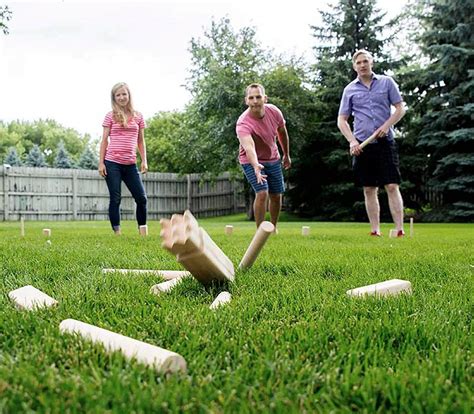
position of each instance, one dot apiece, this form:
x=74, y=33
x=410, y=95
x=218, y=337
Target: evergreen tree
x=348, y=26
x=35, y=157
x=444, y=91
x=62, y=159
x=88, y=160
x=12, y=158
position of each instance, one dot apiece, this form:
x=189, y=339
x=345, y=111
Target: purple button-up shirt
x=371, y=107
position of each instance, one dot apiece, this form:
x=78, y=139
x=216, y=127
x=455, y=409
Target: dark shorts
x=272, y=170
x=378, y=164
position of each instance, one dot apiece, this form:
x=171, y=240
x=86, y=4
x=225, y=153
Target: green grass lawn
x=290, y=340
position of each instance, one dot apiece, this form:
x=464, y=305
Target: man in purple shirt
x=369, y=99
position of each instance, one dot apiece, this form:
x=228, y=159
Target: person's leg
x=395, y=202
x=132, y=180
x=260, y=207
x=275, y=208
x=373, y=208
x=261, y=193
x=276, y=188
x=114, y=181
x=391, y=179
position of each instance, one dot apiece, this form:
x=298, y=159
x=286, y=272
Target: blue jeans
x=116, y=173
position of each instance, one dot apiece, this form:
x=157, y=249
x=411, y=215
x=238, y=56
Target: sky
x=62, y=58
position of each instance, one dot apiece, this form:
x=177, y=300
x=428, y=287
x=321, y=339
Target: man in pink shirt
x=257, y=130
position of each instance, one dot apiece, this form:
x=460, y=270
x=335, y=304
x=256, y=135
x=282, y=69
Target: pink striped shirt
x=122, y=147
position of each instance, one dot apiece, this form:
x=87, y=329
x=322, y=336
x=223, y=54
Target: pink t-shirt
x=263, y=132
x=122, y=147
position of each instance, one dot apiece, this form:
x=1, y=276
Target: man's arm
x=345, y=129
x=284, y=141
x=249, y=147
x=394, y=118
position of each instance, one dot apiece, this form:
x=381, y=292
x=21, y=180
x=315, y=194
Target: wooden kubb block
x=30, y=298
x=195, y=249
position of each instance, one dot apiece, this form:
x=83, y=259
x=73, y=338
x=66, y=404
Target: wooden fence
x=66, y=194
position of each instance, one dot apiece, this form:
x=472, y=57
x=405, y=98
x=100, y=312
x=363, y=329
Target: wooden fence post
x=6, y=184
x=190, y=193
x=74, y=194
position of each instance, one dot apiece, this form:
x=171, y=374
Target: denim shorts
x=274, y=184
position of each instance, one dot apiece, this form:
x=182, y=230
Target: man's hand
x=261, y=178
x=382, y=131
x=354, y=148
x=286, y=162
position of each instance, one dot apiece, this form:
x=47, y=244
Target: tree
x=348, y=26
x=35, y=157
x=223, y=64
x=5, y=16
x=44, y=133
x=168, y=143
x=88, y=160
x=444, y=96
x=12, y=158
x=62, y=159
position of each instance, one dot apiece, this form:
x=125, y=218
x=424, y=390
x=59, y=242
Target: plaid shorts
x=378, y=164
x=274, y=184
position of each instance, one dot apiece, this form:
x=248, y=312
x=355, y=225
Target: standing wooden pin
x=229, y=229
x=143, y=230
x=411, y=227
x=305, y=231
x=22, y=227
x=47, y=232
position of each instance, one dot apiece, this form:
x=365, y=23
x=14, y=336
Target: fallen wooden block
x=30, y=298
x=229, y=229
x=387, y=288
x=160, y=359
x=263, y=232
x=195, y=249
x=47, y=232
x=393, y=233
x=166, y=286
x=143, y=230
x=221, y=299
x=305, y=231
x=165, y=274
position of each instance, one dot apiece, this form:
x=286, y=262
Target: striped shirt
x=122, y=147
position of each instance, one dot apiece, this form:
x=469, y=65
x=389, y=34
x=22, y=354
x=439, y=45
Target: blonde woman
x=123, y=134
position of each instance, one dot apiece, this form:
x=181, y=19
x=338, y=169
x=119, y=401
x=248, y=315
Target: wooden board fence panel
x=69, y=194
